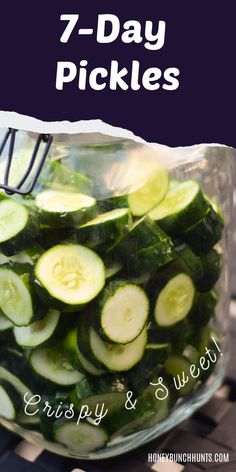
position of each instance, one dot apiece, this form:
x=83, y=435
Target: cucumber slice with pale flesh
x=179, y=368
x=174, y=301
x=5, y=323
x=53, y=365
x=18, y=228
x=61, y=208
x=37, y=332
x=105, y=227
x=108, y=389
x=15, y=298
x=150, y=194
x=10, y=400
x=121, y=311
x=182, y=207
x=80, y=438
x=69, y=276
x=118, y=357
x=77, y=359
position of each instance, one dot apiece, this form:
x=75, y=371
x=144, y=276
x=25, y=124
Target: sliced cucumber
x=151, y=363
x=58, y=176
x=121, y=312
x=10, y=400
x=105, y=227
x=214, y=204
x=108, y=390
x=145, y=248
x=212, y=264
x=118, y=357
x=18, y=228
x=80, y=438
x=77, y=359
x=5, y=323
x=204, y=308
x=112, y=266
x=150, y=194
x=68, y=276
x=179, y=368
x=175, y=301
x=188, y=262
x=53, y=365
x=151, y=258
x=14, y=370
x=182, y=207
x=39, y=331
x=112, y=203
x=144, y=233
x=204, y=234
x=15, y=298
x=50, y=236
x=124, y=422
x=62, y=209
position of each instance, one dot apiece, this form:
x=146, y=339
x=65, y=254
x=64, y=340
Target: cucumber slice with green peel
x=178, y=367
x=151, y=258
x=112, y=266
x=144, y=233
x=150, y=194
x=18, y=227
x=204, y=234
x=117, y=357
x=124, y=422
x=53, y=365
x=105, y=227
x=144, y=248
x=212, y=264
x=5, y=323
x=204, y=308
x=80, y=438
x=181, y=208
x=77, y=359
x=63, y=209
x=37, y=332
x=6, y=374
x=50, y=236
x=19, y=376
x=69, y=276
x=121, y=312
x=10, y=400
x=58, y=176
x=214, y=204
x=175, y=301
x=177, y=336
x=188, y=262
x=148, y=411
x=15, y=298
x=151, y=363
x=96, y=391
x=111, y=203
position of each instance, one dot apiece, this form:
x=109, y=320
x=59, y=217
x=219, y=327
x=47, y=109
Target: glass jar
x=114, y=291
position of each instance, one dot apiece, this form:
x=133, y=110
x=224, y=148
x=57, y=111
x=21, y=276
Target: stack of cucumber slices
x=100, y=298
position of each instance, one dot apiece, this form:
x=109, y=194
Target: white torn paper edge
x=169, y=155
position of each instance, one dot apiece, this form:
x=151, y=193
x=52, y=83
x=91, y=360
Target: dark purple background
x=200, y=41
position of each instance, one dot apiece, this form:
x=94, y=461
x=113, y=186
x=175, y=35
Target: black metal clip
x=11, y=134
